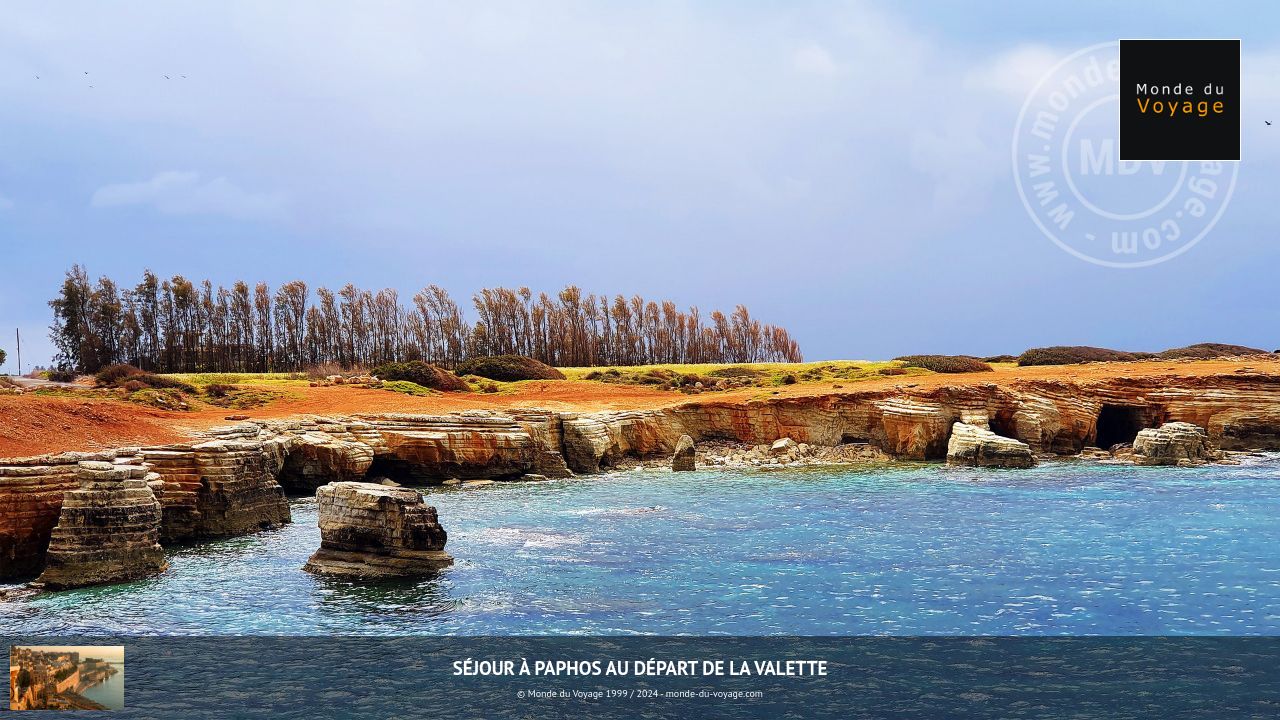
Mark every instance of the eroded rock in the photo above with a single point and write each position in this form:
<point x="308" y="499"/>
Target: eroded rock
<point x="1175" y="443"/>
<point x="683" y="459"/>
<point x="373" y="531"/>
<point x="108" y="529"/>
<point x="978" y="447"/>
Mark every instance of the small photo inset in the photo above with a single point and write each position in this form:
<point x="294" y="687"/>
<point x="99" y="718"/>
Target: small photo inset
<point x="66" y="677"/>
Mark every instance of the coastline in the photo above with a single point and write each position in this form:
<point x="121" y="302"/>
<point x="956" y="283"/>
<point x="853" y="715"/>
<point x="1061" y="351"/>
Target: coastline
<point x="234" y="479"/>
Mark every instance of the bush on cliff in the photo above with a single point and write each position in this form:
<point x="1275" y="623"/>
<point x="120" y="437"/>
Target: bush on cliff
<point x="420" y="373"/>
<point x="1210" y="350"/>
<point x="508" y="368"/>
<point x="1075" y="354"/>
<point x="945" y="363"/>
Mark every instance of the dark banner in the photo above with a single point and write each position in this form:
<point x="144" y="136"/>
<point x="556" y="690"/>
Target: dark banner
<point x="626" y="677"/>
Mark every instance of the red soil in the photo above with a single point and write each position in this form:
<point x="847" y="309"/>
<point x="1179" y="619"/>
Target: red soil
<point x="32" y="424"/>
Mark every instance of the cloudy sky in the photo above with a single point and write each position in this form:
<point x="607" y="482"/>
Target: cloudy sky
<point x="841" y="168"/>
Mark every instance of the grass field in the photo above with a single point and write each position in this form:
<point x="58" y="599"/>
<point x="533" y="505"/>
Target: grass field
<point x="762" y="374"/>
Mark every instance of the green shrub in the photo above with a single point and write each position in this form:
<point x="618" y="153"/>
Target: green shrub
<point x="423" y="374"/>
<point x="122" y="375"/>
<point x="61" y="376"/>
<point x="218" y="390"/>
<point x="407" y="387"/>
<point x="1074" y="354"/>
<point x="162" y="382"/>
<point x="115" y="375"/>
<point x="737" y="371"/>
<point x="1210" y="350"/>
<point x="1000" y="359"/>
<point x="893" y="371"/>
<point x="945" y="363"/>
<point x="509" y="368"/>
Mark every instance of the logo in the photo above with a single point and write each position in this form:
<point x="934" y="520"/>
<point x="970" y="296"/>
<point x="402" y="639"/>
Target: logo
<point x="1083" y="197"/>
<point x="1180" y="99"/>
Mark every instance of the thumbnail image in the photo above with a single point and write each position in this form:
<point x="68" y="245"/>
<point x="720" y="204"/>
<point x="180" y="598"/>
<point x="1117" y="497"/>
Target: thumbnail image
<point x="66" y="677"/>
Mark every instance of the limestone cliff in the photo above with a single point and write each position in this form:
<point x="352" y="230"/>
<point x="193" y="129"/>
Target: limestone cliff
<point x="108" y="529"/>
<point x="234" y="479"/>
<point x="372" y="531"/>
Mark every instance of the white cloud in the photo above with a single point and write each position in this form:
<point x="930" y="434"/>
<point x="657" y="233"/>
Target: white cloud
<point x="815" y="60"/>
<point x="185" y="193"/>
<point x="1014" y="72"/>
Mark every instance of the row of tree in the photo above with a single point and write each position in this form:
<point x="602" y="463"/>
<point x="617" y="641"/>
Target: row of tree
<point x="177" y="325"/>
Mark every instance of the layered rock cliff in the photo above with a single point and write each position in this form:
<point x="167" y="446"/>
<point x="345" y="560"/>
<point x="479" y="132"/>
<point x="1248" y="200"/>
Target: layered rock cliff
<point x="234" y="479"/>
<point x="372" y="531"/>
<point x="108" y="529"/>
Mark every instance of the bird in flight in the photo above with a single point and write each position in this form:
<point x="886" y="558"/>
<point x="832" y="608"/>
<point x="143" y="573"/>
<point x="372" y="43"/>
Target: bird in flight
<point x="166" y="77"/>
<point x="1267" y="122"/>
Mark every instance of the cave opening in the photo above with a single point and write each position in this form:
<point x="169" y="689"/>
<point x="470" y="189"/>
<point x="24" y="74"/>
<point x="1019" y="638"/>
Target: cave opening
<point x="1003" y="424"/>
<point x="1119" y="424"/>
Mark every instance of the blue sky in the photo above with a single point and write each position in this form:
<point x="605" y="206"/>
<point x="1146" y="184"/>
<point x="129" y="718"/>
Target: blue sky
<point x="841" y="168"/>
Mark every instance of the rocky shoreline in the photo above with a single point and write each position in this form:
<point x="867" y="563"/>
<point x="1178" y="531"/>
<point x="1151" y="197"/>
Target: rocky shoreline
<point x="234" y="479"/>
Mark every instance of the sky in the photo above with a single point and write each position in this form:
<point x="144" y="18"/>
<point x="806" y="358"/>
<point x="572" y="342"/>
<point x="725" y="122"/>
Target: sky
<point x="841" y="168"/>
<point x="109" y="653"/>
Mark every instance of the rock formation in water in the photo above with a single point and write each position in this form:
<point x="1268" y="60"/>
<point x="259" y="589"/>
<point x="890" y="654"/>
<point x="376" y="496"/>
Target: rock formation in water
<point x="979" y="447"/>
<point x="108" y="530"/>
<point x="229" y="482"/>
<point x="31" y="492"/>
<point x="373" y="531"/>
<point x="1175" y="443"/>
<point x="683" y="459"/>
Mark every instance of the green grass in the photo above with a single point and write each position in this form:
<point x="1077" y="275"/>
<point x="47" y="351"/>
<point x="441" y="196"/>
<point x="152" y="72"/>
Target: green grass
<point x="408" y="388"/>
<point x="761" y="374"/>
<point x="279" y="380"/>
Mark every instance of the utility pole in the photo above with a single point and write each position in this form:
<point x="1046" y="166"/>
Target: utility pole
<point x="18" y="334"/>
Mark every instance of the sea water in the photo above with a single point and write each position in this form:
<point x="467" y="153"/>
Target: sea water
<point x="1066" y="548"/>
<point x="109" y="693"/>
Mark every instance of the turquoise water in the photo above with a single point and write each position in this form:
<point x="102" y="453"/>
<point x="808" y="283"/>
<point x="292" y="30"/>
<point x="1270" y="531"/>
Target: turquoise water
<point x="1065" y="548"/>
<point x="109" y="694"/>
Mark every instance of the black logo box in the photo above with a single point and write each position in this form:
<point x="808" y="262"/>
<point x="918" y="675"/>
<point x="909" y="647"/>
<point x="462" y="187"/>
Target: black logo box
<point x="1186" y="65"/>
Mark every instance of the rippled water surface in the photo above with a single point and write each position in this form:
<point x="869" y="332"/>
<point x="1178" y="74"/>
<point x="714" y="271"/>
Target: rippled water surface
<point x="1066" y="548"/>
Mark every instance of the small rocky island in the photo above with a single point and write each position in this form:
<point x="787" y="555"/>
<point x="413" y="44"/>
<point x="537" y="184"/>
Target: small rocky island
<point x="108" y="530"/>
<point x="372" y="531"/>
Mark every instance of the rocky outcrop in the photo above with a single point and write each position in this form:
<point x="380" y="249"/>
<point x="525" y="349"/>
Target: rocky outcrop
<point x="597" y="441"/>
<point x="684" y="458"/>
<point x="230" y="481"/>
<point x="430" y="448"/>
<point x="373" y="531"/>
<point x="546" y="430"/>
<point x="316" y="458"/>
<point x="978" y="447"/>
<point x="108" y="529"/>
<point x="1175" y="443"/>
<point x="31" y="493"/>
<point x="220" y="488"/>
<point x="783" y="446"/>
